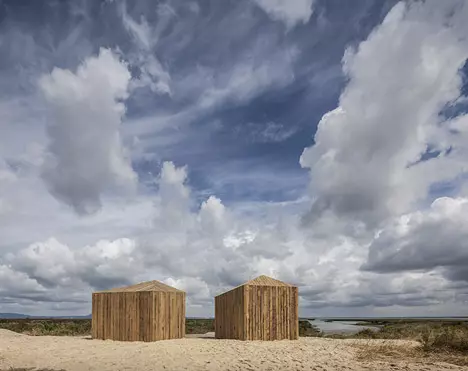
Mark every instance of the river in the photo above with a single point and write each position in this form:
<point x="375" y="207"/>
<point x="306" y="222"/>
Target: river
<point x="340" y="327"/>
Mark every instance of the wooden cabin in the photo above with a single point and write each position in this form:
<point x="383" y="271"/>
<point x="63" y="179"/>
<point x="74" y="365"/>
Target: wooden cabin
<point x="261" y="309"/>
<point x="147" y="311"/>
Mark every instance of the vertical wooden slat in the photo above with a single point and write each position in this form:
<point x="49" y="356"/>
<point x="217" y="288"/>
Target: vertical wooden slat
<point x="149" y="316"/>
<point x="112" y="315"/>
<point x="175" y="318"/>
<point x="265" y="313"/>
<point x="280" y="313"/>
<point x="109" y="316"/>
<point x="288" y="310"/>
<point x="93" y="316"/>
<point x="230" y="318"/>
<point x="268" y="313"/>
<point x="99" y="316"/>
<point x="274" y="319"/>
<point x="220" y="324"/>
<point x="102" y="310"/>
<point x="129" y="315"/>
<point x="141" y="316"/>
<point x="171" y="315"/>
<point x="162" y="309"/>
<point x="183" y="313"/>
<point x="97" y="298"/>
<point x="136" y="313"/>
<point x="245" y="335"/>
<point x="260" y="310"/>
<point x="156" y="327"/>
<point x="168" y="315"/>
<point x="105" y="316"/>
<point x="252" y="312"/>
<point x="258" y="325"/>
<point x="231" y="299"/>
<point x="227" y="323"/>
<point x="216" y="319"/>
<point x="123" y="317"/>
<point x="295" y="308"/>
<point x="162" y="313"/>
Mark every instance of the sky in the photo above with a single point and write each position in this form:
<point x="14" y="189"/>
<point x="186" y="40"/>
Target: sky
<point x="204" y="143"/>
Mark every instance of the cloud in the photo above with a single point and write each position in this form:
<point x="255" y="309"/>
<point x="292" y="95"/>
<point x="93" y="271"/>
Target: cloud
<point x="248" y="78"/>
<point x="388" y="116"/>
<point x="424" y="240"/>
<point x="291" y="12"/>
<point x="270" y="132"/>
<point x="86" y="156"/>
<point x="181" y="243"/>
<point x="152" y="73"/>
<point x="55" y="267"/>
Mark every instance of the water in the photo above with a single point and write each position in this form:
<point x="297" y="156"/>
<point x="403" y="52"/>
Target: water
<point x="340" y="327"/>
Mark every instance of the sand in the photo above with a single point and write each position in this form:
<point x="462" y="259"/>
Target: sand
<point x="199" y="353"/>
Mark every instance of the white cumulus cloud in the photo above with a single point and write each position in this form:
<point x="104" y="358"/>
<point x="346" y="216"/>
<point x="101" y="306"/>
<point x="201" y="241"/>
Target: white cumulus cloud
<point x="86" y="156"/>
<point x="364" y="163"/>
<point x="291" y="12"/>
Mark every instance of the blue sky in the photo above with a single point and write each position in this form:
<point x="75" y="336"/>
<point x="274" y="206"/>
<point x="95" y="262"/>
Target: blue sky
<point x="203" y="143"/>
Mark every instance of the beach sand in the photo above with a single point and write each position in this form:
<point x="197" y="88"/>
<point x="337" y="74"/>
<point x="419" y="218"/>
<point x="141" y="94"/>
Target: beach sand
<point x="200" y="353"/>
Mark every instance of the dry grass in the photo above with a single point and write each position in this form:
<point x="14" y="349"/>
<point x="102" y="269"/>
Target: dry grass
<point x="372" y="351"/>
<point x="450" y="338"/>
<point x="447" y="342"/>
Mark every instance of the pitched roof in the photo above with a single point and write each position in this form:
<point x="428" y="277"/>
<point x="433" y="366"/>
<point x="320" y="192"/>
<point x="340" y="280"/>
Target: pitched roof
<point x="261" y="281"/>
<point x="145" y="286"/>
<point x="266" y="281"/>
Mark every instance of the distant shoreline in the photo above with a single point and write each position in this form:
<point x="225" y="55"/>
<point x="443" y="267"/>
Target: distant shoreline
<point x="19" y="316"/>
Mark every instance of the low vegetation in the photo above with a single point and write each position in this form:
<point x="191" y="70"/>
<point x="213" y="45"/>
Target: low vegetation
<point x="451" y="336"/>
<point x="306" y="329"/>
<point x="82" y="327"/>
<point x="199" y="326"/>
<point x="446" y="341"/>
<point x="54" y="327"/>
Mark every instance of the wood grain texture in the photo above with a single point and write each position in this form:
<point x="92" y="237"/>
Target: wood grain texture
<point x="261" y="309"/>
<point x="138" y="315"/>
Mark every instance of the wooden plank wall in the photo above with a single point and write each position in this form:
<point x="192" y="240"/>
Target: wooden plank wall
<point x="138" y="316"/>
<point x="229" y="314"/>
<point x="271" y="313"/>
<point x="168" y="319"/>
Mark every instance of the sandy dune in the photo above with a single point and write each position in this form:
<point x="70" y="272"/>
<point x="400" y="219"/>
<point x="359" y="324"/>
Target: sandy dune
<point x="195" y="353"/>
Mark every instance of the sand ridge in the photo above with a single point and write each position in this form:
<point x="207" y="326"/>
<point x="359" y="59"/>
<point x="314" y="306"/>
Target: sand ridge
<point x="195" y="353"/>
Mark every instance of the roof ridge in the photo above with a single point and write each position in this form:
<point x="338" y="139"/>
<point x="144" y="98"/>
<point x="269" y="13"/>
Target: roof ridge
<point x="152" y="285"/>
<point x="264" y="280"/>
